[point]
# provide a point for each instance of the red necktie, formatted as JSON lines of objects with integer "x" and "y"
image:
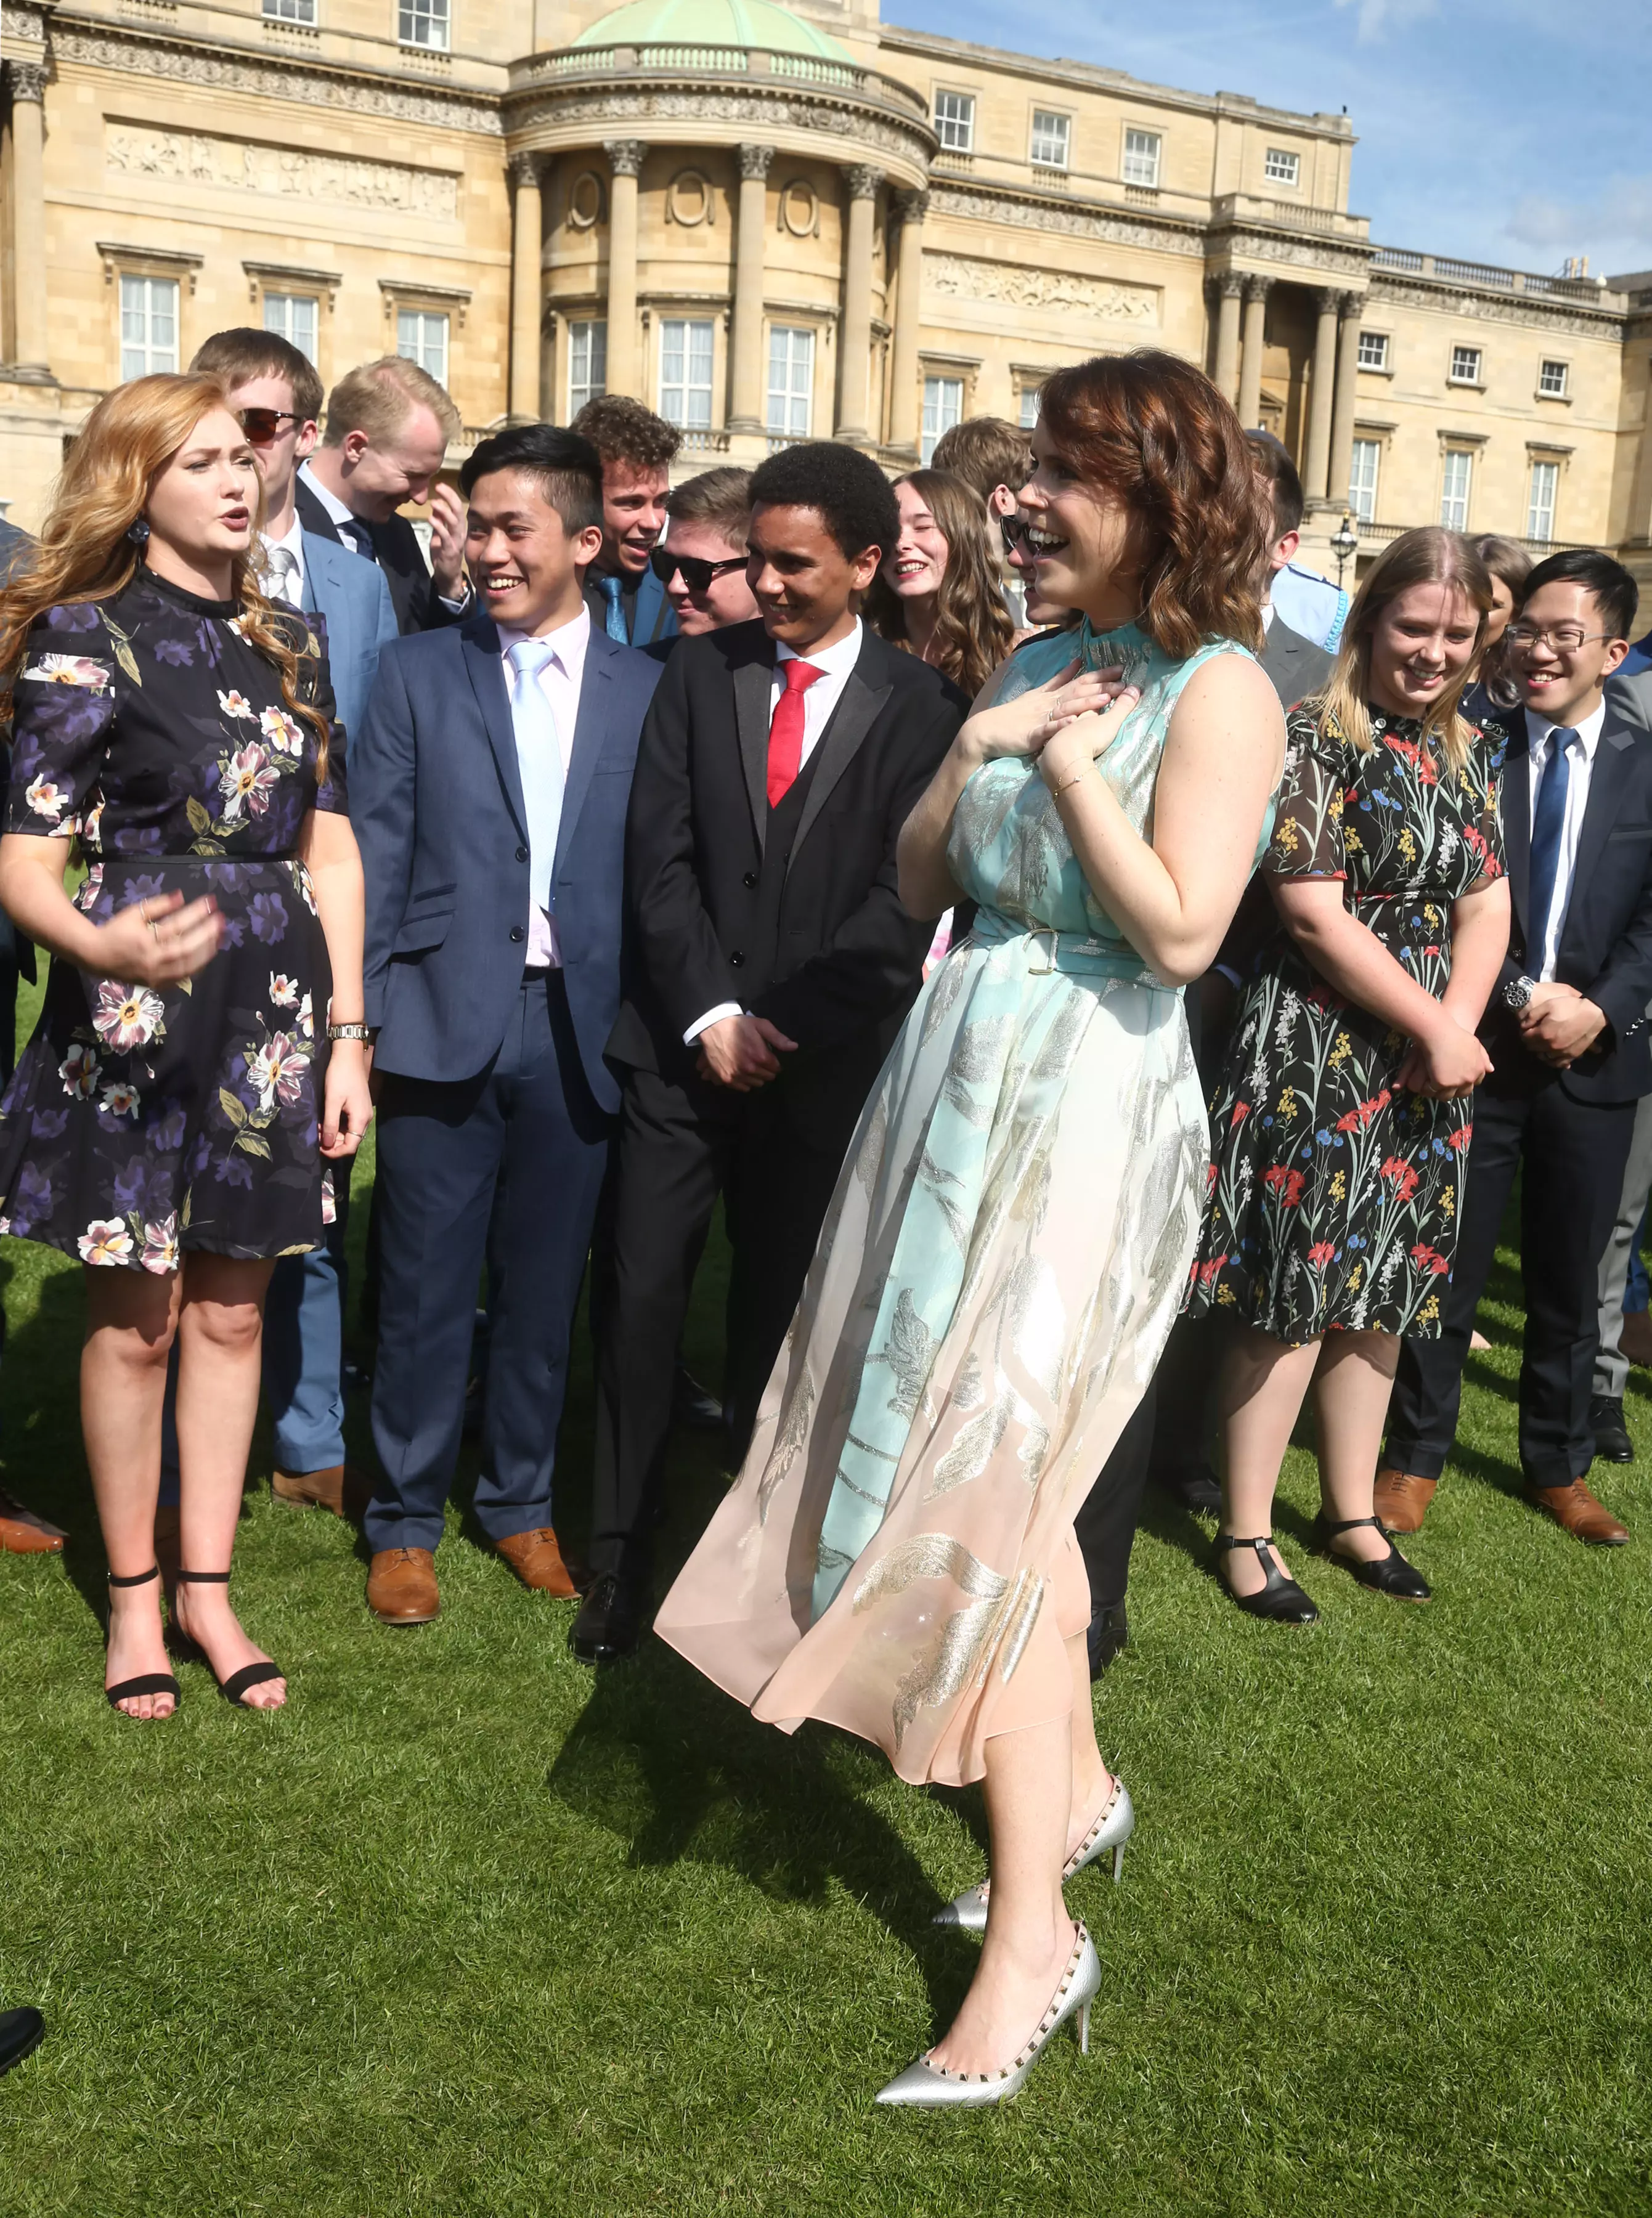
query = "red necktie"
{"x": 785, "y": 732}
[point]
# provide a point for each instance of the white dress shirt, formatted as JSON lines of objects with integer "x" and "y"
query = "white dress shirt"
{"x": 288, "y": 586}
{"x": 819, "y": 699}
{"x": 559, "y": 681}
{"x": 1581, "y": 751}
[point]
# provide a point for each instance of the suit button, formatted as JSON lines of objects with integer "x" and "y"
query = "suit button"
{"x": 750, "y": 879}
{"x": 518, "y": 932}
{"x": 735, "y": 959}
{"x": 521, "y": 854}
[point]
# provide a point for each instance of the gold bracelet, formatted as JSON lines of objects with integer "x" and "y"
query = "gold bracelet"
{"x": 1056, "y": 791}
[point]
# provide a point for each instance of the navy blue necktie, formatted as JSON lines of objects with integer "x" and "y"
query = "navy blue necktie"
{"x": 357, "y": 535}
{"x": 1548, "y": 827}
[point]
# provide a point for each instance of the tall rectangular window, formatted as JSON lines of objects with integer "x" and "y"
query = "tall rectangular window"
{"x": 1465, "y": 365}
{"x": 291, "y": 11}
{"x": 1052, "y": 136}
{"x": 955, "y": 121}
{"x": 1362, "y": 479}
{"x": 421, "y": 336}
{"x": 1540, "y": 508}
{"x": 1280, "y": 168}
{"x": 423, "y": 23}
{"x": 791, "y": 381}
{"x": 587, "y": 364}
{"x": 1028, "y": 406}
{"x": 293, "y": 315}
{"x": 148, "y": 326}
{"x": 1373, "y": 349}
{"x": 1551, "y": 380}
{"x": 686, "y": 372}
{"x": 1141, "y": 152}
{"x": 943, "y": 406}
{"x": 1456, "y": 479}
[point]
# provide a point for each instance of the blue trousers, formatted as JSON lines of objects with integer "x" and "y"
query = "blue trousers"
{"x": 505, "y": 1168}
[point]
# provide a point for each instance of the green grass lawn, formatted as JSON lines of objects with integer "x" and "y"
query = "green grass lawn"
{"x": 464, "y": 1931}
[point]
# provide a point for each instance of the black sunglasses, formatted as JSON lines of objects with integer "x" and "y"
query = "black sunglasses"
{"x": 263, "y": 425}
{"x": 697, "y": 572}
{"x": 1015, "y": 530}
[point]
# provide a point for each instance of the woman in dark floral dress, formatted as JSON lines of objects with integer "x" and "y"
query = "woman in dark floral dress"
{"x": 1340, "y": 1123}
{"x": 168, "y": 1122}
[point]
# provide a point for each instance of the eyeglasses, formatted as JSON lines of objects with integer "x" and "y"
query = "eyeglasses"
{"x": 1564, "y": 639}
{"x": 263, "y": 425}
{"x": 697, "y": 572}
{"x": 1015, "y": 530}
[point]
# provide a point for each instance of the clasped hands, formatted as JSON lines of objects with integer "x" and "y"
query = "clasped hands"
{"x": 1066, "y": 723}
{"x": 1557, "y": 1025}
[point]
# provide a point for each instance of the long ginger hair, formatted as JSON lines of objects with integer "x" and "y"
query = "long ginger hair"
{"x": 84, "y": 553}
{"x": 974, "y": 629}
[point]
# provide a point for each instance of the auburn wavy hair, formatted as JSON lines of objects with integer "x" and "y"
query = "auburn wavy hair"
{"x": 84, "y": 553}
{"x": 1428, "y": 556}
{"x": 1153, "y": 430}
{"x": 974, "y": 629}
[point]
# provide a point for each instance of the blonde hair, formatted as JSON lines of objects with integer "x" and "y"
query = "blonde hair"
{"x": 379, "y": 397}
{"x": 84, "y": 554}
{"x": 1430, "y": 557}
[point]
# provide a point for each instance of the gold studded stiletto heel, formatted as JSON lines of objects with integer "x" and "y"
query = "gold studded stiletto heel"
{"x": 1112, "y": 1829}
{"x": 928, "y": 2086}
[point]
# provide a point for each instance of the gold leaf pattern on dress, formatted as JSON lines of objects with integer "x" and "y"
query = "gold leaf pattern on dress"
{"x": 976, "y": 1058}
{"x": 938, "y": 1178}
{"x": 788, "y": 1443}
{"x": 1054, "y": 1058}
{"x": 1037, "y": 1317}
{"x": 870, "y": 1160}
{"x": 929, "y": 1556}
{"x": 1020, "y": 1616}
{"x": 974, "y": 1447}
{"x": 948, "y": 984}
{"x": 910, "y": 1351}
{"x": 969, "y": 1388}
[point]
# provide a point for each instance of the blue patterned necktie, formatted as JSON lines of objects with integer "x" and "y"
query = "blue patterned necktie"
{"x": 614, "y": 621}
{"x": 539, "y": 756}
{"x": 1547, "y": 825}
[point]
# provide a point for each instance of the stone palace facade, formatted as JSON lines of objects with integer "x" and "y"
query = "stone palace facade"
{"x": 771, "y": 224}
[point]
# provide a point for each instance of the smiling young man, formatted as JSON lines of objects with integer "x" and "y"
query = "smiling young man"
{"x": 701, "y": 561}
{"x": 626, "y": 600}
{"x": 489, "y": 791}
{"x": 1567, "y": 1032}
{"x": 769, "y": 965}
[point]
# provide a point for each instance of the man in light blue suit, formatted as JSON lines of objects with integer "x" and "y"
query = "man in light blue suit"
{"x": 489, "y": 787}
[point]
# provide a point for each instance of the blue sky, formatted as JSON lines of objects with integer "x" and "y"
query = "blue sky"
{"x": 1509, "y": 131}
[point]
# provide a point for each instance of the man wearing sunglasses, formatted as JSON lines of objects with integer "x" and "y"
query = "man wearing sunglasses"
{"x": 701, "y": 561}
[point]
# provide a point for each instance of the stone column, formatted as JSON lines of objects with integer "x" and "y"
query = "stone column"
{"x": 625, "y": 160}
{"x": 1230, "y": 286}
{"x": 855, "y": 344}
{"x": 746, "y": 345}
{"x": 526, "y": 243}
{"x": 1257, "y": 290}
{"x": 905, "y": 404}
{"x": 1320, "y": 394}
{"x": 28, "y": 83}
{"x": 1342, "y": 420}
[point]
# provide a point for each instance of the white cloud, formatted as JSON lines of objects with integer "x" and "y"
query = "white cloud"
{"x": 1615, "y": 221}
{"x": 1376, "y": 18}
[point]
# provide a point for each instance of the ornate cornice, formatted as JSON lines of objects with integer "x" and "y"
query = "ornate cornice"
{"x": 1032, "y": 212}
{"x": 1532, "y": 308}
{"x": 745, "y": 114}
{"x": 1315, "y": 258}
{"x": 232, "y": 69}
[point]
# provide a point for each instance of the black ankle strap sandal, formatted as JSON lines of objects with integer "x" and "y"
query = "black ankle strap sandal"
{"x": 1280, "y": 1601}
{"x": 147, "y": 1682}
{"x": 1389, "y": 1575}
{"x": 233, "y": 1689}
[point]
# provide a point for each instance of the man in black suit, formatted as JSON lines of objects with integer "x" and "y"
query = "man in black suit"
{"x": 1567, "y": 1032}
{"x": 389, "y": 426}
{"x": 769, "y": 965}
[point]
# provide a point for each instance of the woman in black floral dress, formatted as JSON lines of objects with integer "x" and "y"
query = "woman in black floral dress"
{"x": 168, "y": 1122}
{"x": 1340, "y": 1123}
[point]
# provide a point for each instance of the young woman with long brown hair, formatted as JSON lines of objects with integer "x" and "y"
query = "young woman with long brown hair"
{"x": 200, "y": 1047}
{"x": 936, "y": 592}
{"x": 1340, "y": 1121}
{"x": 1011, "y": 1232}
{"x": 1495, "y": 690}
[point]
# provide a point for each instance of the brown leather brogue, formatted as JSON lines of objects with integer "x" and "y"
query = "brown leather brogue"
{"x": 537, "y": 1561}
{"x": 24, "y": 1533}
{"x": 1578, "y": 1511}
{"x": 401, "y": 1586}
{"x": 1402, "y": 1499}
{"x": 341, "y": 1488}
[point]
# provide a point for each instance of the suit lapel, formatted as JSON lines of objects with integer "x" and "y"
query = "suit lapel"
{"x": 481, "y": 660}
{"x": 1515, "y": 802}
{"x": 590, "y": 730}
{"x": 312, "y": 516}
{"x": 1614, "y": 754}
{"x": 857, "y": 710}
{"x": 752, "y": 682}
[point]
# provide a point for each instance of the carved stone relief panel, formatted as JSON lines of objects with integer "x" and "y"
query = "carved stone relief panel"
{"x": 139, "y": 149}
{"x": 959, "y": 277}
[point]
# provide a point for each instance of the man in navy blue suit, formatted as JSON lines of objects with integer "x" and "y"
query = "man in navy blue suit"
{"x": 636, "y": 447}
{"x": 488, "y": 789}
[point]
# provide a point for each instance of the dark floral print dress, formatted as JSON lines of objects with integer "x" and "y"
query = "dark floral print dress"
{"x": 144, "y": 1121}
{"x": 1333, "y": 1194}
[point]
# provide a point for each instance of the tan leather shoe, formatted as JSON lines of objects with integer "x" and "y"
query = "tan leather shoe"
{"x": 1635, "y": 1341}
{"x": 1402, "y": 1499}
{"x": 1577, "y": 1512}
{"x": 537, "y": 1561}
{"x": 24, "y": 1533}
{"x": 401, "y": 1586}
{"x": 341, "y": 1488}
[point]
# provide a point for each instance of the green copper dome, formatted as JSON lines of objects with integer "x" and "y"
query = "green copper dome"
{"x": 746, "y": 23}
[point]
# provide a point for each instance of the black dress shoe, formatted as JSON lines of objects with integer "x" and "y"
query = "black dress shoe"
{"x": 1389, "y": 1575}
{"x": 1191, "y": 1486}
{"x": 611, "y": 1620}
{"x": 695, "y": 1405}
{"x": 1611, "y": 1441}
{"x": 1110, "y": 1630}
{"x": 1281, "y": 1602}
{"x": 22, "y": 2032}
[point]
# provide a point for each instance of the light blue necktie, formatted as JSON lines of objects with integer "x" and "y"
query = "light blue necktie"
{"x": 539, "y": 756}
{"x": 614, "y": 620}
{"x": 1547, "y": 825}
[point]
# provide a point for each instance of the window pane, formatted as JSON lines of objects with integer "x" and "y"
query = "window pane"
{"x": 291, "y": 11}
{"x": 955, "y": 121}
{"x": 1373, "y": 349}
{"x": 1281, "y": 168}
{"x": 943, "y": 406}
{"x": 1551, "y": 380}
{"x": 1465, "y": 365}
{"x": 294, "y": 316}
{"x": 423, "y": 23}
{"x": 686, "y": 372}
{"x": 1362, "y": 479}
{"x": 1141, "y": 158}
{"x": 1028, "y": 406}
{"x": 421, "y": 336}
{"x": 1540, "y": 511}
{"x": 791, "y": 381}
{"x": 587, "y": 363}
{"x": 1454, "y": 494}
{"x": 148, "y": 326}
{"x": 1050, "y": 139}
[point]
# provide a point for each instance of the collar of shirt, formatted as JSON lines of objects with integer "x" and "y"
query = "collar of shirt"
{"x": 1539, "y": 727}
{"x": 567, "y": 643}
{"x": 337, "y": 509}
{"x": 1267, "y": 617}
{"x": 836, "y": 661}
{"x": 293, "y": 541}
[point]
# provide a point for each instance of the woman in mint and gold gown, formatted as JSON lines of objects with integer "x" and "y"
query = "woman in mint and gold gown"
{"x": 1011, "y": 1234}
